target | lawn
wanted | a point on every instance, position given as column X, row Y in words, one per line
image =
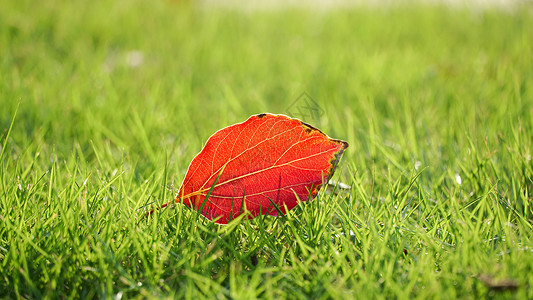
column 104, row 104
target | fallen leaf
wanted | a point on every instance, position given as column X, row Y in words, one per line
column 268, row 159
column 499, row 285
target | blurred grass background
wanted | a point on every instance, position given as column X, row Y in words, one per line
column 115, row 98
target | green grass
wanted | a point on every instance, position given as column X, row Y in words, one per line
column 97, row 138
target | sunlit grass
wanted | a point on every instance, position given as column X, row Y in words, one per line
column 114, row 100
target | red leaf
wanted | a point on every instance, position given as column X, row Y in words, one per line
column 268, row 158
